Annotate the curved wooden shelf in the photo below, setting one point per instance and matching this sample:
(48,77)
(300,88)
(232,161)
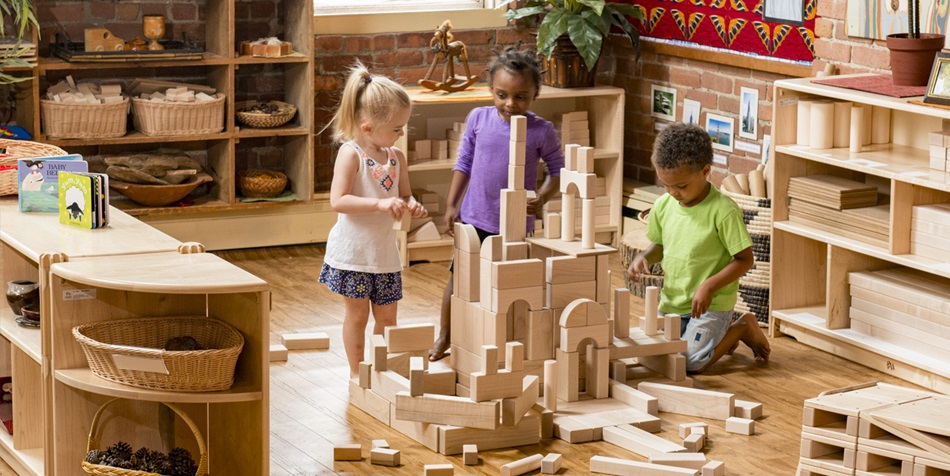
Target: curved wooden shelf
(27,339)
(135,137)
(54,64)
(24,461)
(84,379)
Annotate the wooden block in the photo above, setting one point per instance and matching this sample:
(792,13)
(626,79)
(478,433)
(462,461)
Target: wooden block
(516,177)
(278,353)
(672,366)
(597,378)
(427,434)
(467,285)
(451,438)
(571,337)
(403,223)
(640,441)
(547,420)
(570,156)
(501,299)
(691,401)
(567,378)
(692,460)
(651,299)
(466,238)
(310,340)
(572,430)
(388,383)
(380,444)
(633,397)
(686,428)
(552,225)
(441,382)
(384,457)
(517,251)
(514,206)
(621,312)
(551,463)
(448,410)
(522,466)
(584,184)
(585,160)
(423,149)
(504,384)
(514,409)
(603,279)
(714,468)
(438,470)
(399,362)
(517,273)
(695,442)
(408,338)
(350,452)
(742,426)
(371,403)
(671,326)
(427,232)
(560,295)
(750,410)
(365,374)
(514,356)
(469,455)
(416,376)
(570,269)
(519,128)
(624,467)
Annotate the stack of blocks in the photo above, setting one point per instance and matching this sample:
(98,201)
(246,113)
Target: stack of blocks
(939,142)
(928,235)
(574,128)
(454,137)
(875,429)
(429,149)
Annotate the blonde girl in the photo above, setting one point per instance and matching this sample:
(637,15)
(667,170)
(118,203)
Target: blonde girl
(370,189)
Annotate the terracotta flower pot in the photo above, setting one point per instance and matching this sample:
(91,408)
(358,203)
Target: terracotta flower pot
(566,68)
(912,58)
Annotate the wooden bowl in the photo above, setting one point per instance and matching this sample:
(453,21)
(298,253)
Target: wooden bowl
(158,195)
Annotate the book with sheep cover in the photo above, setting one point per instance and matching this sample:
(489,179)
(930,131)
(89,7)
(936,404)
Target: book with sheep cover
(83,199)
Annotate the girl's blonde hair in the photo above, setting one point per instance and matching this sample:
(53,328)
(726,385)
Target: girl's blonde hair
(366,97)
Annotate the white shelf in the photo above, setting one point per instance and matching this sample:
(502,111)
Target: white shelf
(28,339)
(27,462)
(84,379)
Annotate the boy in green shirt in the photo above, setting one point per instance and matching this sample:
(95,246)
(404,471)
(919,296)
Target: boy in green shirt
(700,237)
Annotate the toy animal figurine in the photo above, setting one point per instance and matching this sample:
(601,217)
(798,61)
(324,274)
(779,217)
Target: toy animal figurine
(446,49)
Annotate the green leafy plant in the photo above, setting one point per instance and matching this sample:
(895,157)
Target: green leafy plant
(23,15)
(586,22)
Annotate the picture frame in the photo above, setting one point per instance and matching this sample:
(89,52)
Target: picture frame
(749,113)
(664,102)
(722,131)
(938,87)
(789,12)
(692,112)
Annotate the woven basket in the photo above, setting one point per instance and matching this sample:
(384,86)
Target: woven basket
(10,151)
(161,118)
(259,183)
(95,434)
(754,285)
(83,121)
(206,370)
(261,120)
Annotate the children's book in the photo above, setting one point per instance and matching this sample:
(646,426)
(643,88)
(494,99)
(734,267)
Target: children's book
(84,199)
(37,179)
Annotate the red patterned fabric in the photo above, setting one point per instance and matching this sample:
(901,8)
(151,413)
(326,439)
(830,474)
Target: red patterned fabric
(878,83)
(735,25)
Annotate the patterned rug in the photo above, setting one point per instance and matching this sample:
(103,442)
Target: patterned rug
(879,84)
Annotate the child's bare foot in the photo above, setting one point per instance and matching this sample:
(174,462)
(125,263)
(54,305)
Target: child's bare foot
(756,339)
(439,349)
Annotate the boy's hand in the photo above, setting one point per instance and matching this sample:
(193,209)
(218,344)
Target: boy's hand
(394,206)
(451,216)
(701,300)
(638,266)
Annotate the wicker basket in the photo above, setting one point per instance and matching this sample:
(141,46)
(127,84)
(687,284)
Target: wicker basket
(83,121)
(259,183)
(754,285)
(262,120)
(206,370)
(10,151)
(161,118)
(95,434)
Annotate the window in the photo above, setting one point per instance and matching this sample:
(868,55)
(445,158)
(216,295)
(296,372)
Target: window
(333,7)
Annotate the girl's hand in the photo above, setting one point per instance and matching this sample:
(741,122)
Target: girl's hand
(638,266)
(394,206)
(535,206)
(451,216)
(701,300)
(417,210)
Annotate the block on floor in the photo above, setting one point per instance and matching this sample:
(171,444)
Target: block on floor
(278,353)
(350,452)
(306,341)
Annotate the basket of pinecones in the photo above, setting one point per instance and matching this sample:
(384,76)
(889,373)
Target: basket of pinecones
(119,460)
(261,183)
(264,114)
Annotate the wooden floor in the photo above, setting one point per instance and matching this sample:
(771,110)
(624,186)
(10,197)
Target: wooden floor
(310,413)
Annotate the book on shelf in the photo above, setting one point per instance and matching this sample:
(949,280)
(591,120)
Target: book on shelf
(84,199)
(37,181)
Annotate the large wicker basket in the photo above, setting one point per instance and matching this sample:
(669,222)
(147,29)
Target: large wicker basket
(11,150)
(84,121)
(95,434)
(755,284)
(161,118)
(263,120)
(211,369)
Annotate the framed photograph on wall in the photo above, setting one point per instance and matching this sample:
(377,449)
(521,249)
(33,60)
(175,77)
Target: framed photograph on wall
(790,12)
(938,88)
(691,112)
(721,129)
(664,102)
(749,113)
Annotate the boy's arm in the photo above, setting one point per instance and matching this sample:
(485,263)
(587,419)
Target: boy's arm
(456,189)
(643,260)
(742,262)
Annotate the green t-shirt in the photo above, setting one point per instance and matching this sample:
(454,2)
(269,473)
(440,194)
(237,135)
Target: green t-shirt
(698,242)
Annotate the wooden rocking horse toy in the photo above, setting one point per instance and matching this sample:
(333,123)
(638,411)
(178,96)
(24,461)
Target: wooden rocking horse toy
(449,51)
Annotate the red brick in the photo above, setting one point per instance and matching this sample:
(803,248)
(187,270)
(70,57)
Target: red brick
(384,42)
(735,71)
(717,82)
(824,28)
(757,85)
(656,72)
(876,58)
(833,9)
(402,58)
(765,114)
(767,77)
(685,77)
(185,11)
(412,40)
(327,44)
(511,36)
(357,43)
(324,82)
(60,13)
(851,69)
(126,12)
(102,10)
(263,10)
(707,100)
(475,37)
(832,51)
(729,104)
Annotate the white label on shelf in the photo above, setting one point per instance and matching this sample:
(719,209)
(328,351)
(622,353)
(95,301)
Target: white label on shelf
(915,173)
(141,364)
(865,162)
(720,159)
(748,147)
(77,294)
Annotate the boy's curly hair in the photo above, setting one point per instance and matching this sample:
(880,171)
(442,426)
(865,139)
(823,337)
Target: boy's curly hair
(682,144)
(518,61)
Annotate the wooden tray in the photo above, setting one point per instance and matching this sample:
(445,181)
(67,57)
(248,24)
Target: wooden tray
(174,50)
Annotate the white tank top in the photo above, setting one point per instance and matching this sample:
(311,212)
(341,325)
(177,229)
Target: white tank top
(367,242)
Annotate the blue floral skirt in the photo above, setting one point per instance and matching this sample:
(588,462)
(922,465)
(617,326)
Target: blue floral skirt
(381,289)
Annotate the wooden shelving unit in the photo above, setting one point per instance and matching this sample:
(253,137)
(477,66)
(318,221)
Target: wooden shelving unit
(128,269)
(220,67)
(433,112)
(810,294)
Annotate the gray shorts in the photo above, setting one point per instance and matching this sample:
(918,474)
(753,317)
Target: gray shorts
(702,334)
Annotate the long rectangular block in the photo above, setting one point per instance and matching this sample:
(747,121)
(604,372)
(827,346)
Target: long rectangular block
(691,401)
(306,341)
(624,467)
(410,337)
(447,410)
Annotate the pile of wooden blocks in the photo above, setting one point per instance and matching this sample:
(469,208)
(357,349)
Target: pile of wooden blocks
(939,143)
(574,128)
(905,307)
(431,227)
(177,94)
(429,149)
(68,91)
(841,206)
(876,429)
(454,137)
(928,234)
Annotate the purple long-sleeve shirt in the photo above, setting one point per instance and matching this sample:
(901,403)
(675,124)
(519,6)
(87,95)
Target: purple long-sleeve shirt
(483,156)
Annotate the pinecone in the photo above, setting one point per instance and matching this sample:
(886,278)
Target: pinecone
(181,463)
(121,450)
(93,456)
(142,453)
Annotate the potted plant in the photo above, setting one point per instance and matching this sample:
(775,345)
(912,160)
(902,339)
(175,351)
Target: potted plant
(913,53)
(21,11)
(571,35)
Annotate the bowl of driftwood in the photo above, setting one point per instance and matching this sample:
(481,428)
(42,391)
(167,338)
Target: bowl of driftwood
(159,195)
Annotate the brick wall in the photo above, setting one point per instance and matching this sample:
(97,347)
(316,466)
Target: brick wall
(848,54)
